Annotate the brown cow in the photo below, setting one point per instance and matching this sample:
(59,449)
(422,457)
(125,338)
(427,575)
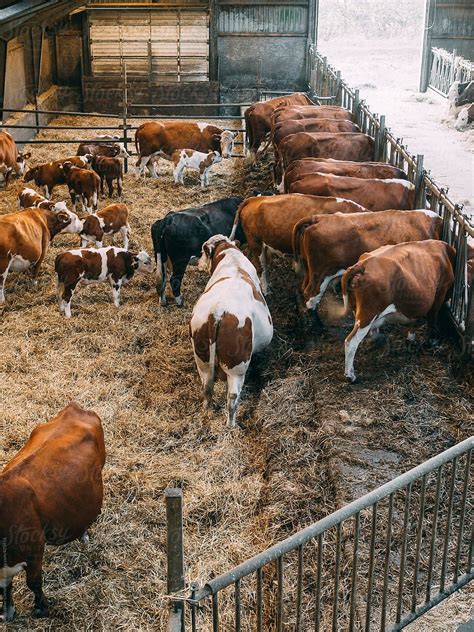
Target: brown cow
(29,198)
(25,238)
(340,146)
(83,184)
(109,169)
(325,246)
(258,118)
(396,284)
(299,168)
(268,221)
(51,174)
(160,140)
(373,194)
(114,149)
(303,112)
(108,221)
(10,159)
(51,493)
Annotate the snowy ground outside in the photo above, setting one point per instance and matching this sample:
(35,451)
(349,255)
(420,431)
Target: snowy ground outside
(387,74)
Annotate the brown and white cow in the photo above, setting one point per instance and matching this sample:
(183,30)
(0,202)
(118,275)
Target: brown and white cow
(51,492)
(51,174)
(25,238)
(114,149)
(258,118)
(109,169)
(83,184)
(374,194)
(325,246)
(11,160)
(112,265)
(29,198)
(108,221)
(191,159)
(230,321)
(396,284)
(300,168)
(340,146)
(268,222)
(297,113)
(159,140)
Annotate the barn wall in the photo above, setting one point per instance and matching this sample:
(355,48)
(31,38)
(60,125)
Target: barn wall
(15,75)
(449,24)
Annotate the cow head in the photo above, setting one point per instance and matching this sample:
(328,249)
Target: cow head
(216,242)
(60,206)
(463,120)
(21,159)
(453,92)
(142,262)
(64,222)
(226,143)
(120,151)
(215,157)
(66,167)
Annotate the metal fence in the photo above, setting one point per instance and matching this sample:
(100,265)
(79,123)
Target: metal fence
(447,67)
(376,564)
(457,228)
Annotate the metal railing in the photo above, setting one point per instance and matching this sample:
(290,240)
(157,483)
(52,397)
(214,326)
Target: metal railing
(378,563)
(447,67)
(457,228)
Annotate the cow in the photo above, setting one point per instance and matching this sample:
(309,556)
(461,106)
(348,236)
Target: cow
(179,237)
(113,265)
(396,284)
(267,223)
(300,168)
(108,169)
(110,220)
(258,118)
(230,321)
(51,174)
(83,184)
(159,140)
(374,194)
(192,159)
(466,95)
(114,149)
(325,246)
(340,146)
(29,198)
(465,118)
(297,113)
(25,237)
(51,493)
(11,160)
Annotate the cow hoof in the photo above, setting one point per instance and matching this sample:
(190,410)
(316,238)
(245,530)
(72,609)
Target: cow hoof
(352,379)
(179,301)
(163,302)
(85,538)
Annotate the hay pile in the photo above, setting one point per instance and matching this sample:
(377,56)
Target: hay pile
(306,444)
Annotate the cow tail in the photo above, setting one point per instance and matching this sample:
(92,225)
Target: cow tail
(235,225)
(161,254)
(348,284)
(213,325)
(298,231)
(137,144)
(248,127)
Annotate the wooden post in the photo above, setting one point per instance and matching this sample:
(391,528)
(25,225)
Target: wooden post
(426,56)
(419,183)
(175,555)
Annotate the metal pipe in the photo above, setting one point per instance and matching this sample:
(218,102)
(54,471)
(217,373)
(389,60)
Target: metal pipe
(401,580)
(189,105)
(335,606)
(419,536)
(299,588)
(279,614)
(368,612)
(175,554)
(388,544)
(317,605)
(237,605)
(433,535)
(355,556)
(467,472)
(291,543)
(259,601)
(448,524)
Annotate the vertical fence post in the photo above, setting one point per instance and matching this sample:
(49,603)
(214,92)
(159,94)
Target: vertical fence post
(175,555)
(419,182)
(124,114)
(338,88)
(356,106)
(381,140)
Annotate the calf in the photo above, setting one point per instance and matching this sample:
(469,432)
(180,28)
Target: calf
(25,238)
(108,169)
(466,96)
(11,160)
(84,184)
(191,159)
(114,149)
(396,284)
(325,246)
(29,198)
(110,220)
(268,222)
(51,493)
(374,194)
(179,236)
(52,174)
(230,321)
(465,117)
(300,168)
(113,265)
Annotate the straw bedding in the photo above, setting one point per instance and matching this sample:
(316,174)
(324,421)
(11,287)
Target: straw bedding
(307,442)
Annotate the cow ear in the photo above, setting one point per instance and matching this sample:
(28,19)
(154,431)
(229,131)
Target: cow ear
(62,218)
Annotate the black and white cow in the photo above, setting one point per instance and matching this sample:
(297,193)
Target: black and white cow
(179,237)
